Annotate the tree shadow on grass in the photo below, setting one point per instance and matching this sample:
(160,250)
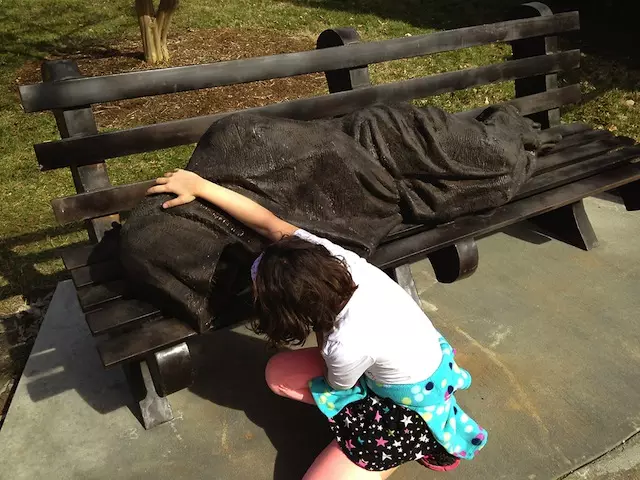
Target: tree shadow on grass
(19,271)
(607,26)
(37,30)
(608,36)
(25,292)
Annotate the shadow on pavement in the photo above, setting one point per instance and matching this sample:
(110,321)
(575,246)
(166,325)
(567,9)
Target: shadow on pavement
(231,374)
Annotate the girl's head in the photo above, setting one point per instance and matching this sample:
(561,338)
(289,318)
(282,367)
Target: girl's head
(298,287)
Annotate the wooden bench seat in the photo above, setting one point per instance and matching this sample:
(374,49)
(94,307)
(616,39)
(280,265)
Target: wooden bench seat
(150,344)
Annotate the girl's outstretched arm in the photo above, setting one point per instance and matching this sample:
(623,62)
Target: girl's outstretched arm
(188,186)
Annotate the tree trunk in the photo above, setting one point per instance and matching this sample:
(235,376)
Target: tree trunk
(154,28)
(163,19)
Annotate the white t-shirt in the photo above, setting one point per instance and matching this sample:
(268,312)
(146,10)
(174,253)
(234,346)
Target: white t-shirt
(381,331)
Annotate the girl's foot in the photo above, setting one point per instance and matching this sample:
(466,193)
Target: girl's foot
(440,462)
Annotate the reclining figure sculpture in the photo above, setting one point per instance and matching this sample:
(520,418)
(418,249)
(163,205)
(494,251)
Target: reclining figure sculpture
(351,179)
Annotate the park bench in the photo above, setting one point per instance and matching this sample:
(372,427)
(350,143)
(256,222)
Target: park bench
(153,347)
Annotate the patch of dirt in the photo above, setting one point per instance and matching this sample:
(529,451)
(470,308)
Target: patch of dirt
(192,48)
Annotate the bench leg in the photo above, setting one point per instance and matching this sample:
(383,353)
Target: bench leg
(630,194)
(455,262)
(403,277)
(161,374)
(154,409)
(569,224)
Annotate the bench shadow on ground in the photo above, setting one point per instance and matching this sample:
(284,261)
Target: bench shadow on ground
(231,374)
(104,390)
(66,359)
(527,232)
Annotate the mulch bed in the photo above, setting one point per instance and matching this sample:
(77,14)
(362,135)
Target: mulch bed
(192,48)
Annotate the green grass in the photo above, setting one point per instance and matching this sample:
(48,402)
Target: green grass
(30,240)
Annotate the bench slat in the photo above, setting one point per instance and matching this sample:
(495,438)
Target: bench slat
(538,102)
(91,296)
(96,273)
(119,314)
(573,171)
(74,257)
(146,339)
(95,148)
(580,138)
(580,152)
(84,205)
(109,88)
(417,247)
(124,197)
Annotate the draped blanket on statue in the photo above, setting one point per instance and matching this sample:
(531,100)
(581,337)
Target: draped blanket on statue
(351,179)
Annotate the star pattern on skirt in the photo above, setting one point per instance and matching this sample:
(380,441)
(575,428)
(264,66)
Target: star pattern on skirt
(406,420)
(377,434)
(381,442)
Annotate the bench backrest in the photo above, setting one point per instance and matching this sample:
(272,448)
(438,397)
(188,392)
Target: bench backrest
(535,63)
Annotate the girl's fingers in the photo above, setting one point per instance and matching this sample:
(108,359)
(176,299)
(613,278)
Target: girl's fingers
(169,174)
(162,180)
(157,189)
(181,200)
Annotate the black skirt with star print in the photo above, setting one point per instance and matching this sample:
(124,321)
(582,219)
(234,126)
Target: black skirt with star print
(377,434)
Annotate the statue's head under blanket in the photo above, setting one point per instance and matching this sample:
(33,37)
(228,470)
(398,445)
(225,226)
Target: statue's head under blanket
(350,179)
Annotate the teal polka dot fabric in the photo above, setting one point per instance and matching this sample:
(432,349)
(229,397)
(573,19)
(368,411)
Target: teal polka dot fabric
(433,399)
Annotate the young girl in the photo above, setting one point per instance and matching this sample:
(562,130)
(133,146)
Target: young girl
(382,374)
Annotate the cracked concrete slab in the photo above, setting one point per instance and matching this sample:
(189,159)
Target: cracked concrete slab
(622,463)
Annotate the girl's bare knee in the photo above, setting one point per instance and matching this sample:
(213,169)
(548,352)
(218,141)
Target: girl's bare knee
(273,373)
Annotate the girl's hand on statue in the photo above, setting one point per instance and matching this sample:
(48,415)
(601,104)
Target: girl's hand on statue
(182,183)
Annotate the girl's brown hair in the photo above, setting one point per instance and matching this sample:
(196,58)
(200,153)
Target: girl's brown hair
(299,287)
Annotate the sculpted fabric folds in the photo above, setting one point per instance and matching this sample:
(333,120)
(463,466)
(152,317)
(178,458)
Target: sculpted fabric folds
(350,179)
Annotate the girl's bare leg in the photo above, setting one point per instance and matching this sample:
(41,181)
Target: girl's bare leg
(288,373)
(333,464)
